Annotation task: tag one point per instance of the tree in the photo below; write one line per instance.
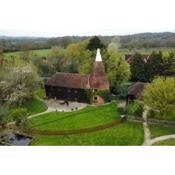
(25, 51)
(154, 65)
(18, 84)
(160, 96)
(138, 68)
(114, 45)
(118, 71)
(95, 43)
(78, 58)
(169, 65)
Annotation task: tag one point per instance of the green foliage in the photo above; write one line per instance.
(118, 70)
(19, 115)
(138, 68)
(89, 93)
(114, 45)
(95, 43)
(78, 58)
(4, 112)
(135, 108)
(105, 94)
(151, 114)
(18, 84)
(122, 90)
(154, 65)
(157, 65)
(160, 96)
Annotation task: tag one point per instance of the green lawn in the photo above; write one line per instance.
(35, 106)
(40, 93)
(169, 142)
(90, 116)
(128, 133)
(160, 130)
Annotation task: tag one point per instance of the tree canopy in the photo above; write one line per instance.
(95, 43)
(160, 96)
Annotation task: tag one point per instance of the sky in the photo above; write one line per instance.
(85, 17)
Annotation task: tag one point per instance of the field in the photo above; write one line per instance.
(40, 52)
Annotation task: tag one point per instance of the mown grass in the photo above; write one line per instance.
(128, 133)
(160, 130)
(91, 116)
(35, 106)
(168, 142)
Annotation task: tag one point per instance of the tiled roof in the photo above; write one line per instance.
(70, 80)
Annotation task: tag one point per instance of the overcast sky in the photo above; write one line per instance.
(85, 17)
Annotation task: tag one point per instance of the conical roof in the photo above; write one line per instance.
(98, 77)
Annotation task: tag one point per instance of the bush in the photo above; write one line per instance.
(105, 94)
(4, 111)
(122, 110)
(151, 114)
(122, 90)
(19, 115)
(135, 108)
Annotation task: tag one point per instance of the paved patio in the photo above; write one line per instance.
(56, 105)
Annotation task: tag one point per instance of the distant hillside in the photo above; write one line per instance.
(138, 41)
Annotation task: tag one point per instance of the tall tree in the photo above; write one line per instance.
(138, 68)
(95, 43)
(118, 71)
(154, 65)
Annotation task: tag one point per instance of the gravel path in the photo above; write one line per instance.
(147, 133)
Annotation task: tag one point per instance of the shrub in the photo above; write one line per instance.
(122, 110)
(122, 90)
(19, 115)
(151, 114)
(135, 108)
(105, 94)
(4, 111)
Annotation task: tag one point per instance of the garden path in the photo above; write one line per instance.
(147, 133)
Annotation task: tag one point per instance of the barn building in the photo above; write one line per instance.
(74, 86)
(135, 91)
